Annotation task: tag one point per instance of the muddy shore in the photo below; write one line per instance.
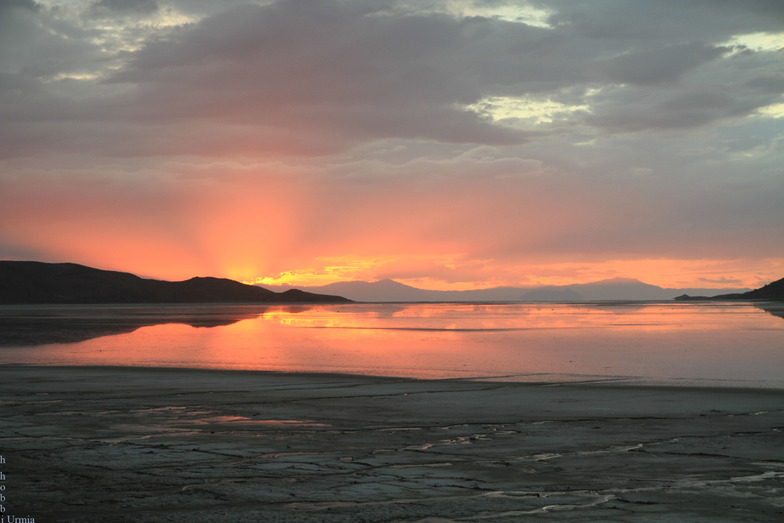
(134, 444)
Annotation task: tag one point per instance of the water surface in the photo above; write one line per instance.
(732, 344)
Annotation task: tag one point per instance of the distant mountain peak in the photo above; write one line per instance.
(389, 290)
(616, 280)
(387, 282)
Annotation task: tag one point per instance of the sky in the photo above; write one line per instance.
(446, 144)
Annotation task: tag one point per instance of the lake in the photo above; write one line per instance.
(725, 344)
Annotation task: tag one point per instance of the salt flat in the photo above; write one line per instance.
(136, 444)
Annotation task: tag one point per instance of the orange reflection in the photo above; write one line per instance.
(504, 317)
(665, 342)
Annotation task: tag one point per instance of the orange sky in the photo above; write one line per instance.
(440, 144)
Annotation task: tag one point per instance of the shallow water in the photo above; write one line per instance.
(726, 344)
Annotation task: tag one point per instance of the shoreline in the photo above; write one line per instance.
(576, 380)
(153, 444)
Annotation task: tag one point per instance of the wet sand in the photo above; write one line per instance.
(133, 444)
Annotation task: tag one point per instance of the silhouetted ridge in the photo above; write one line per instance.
(37, 282)
(771, 291)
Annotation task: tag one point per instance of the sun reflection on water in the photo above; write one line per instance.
(531, 342)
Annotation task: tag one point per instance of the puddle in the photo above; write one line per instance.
(241, 420)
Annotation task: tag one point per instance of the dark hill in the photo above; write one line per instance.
(771, 291)
(36, 282)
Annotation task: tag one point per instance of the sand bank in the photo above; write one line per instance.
(130, 444)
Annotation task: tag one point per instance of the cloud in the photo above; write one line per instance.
(722, 281)
(640, 22)
(104, 8)
(642, 109)
(340, 74)
(318, 68)
(30, 48)
(9, 5)
(659, 65)
(444, 140)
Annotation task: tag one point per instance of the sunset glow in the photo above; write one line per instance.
(445, 145)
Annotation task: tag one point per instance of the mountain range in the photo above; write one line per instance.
(28, 282)
(610, 289)
(37, 282)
